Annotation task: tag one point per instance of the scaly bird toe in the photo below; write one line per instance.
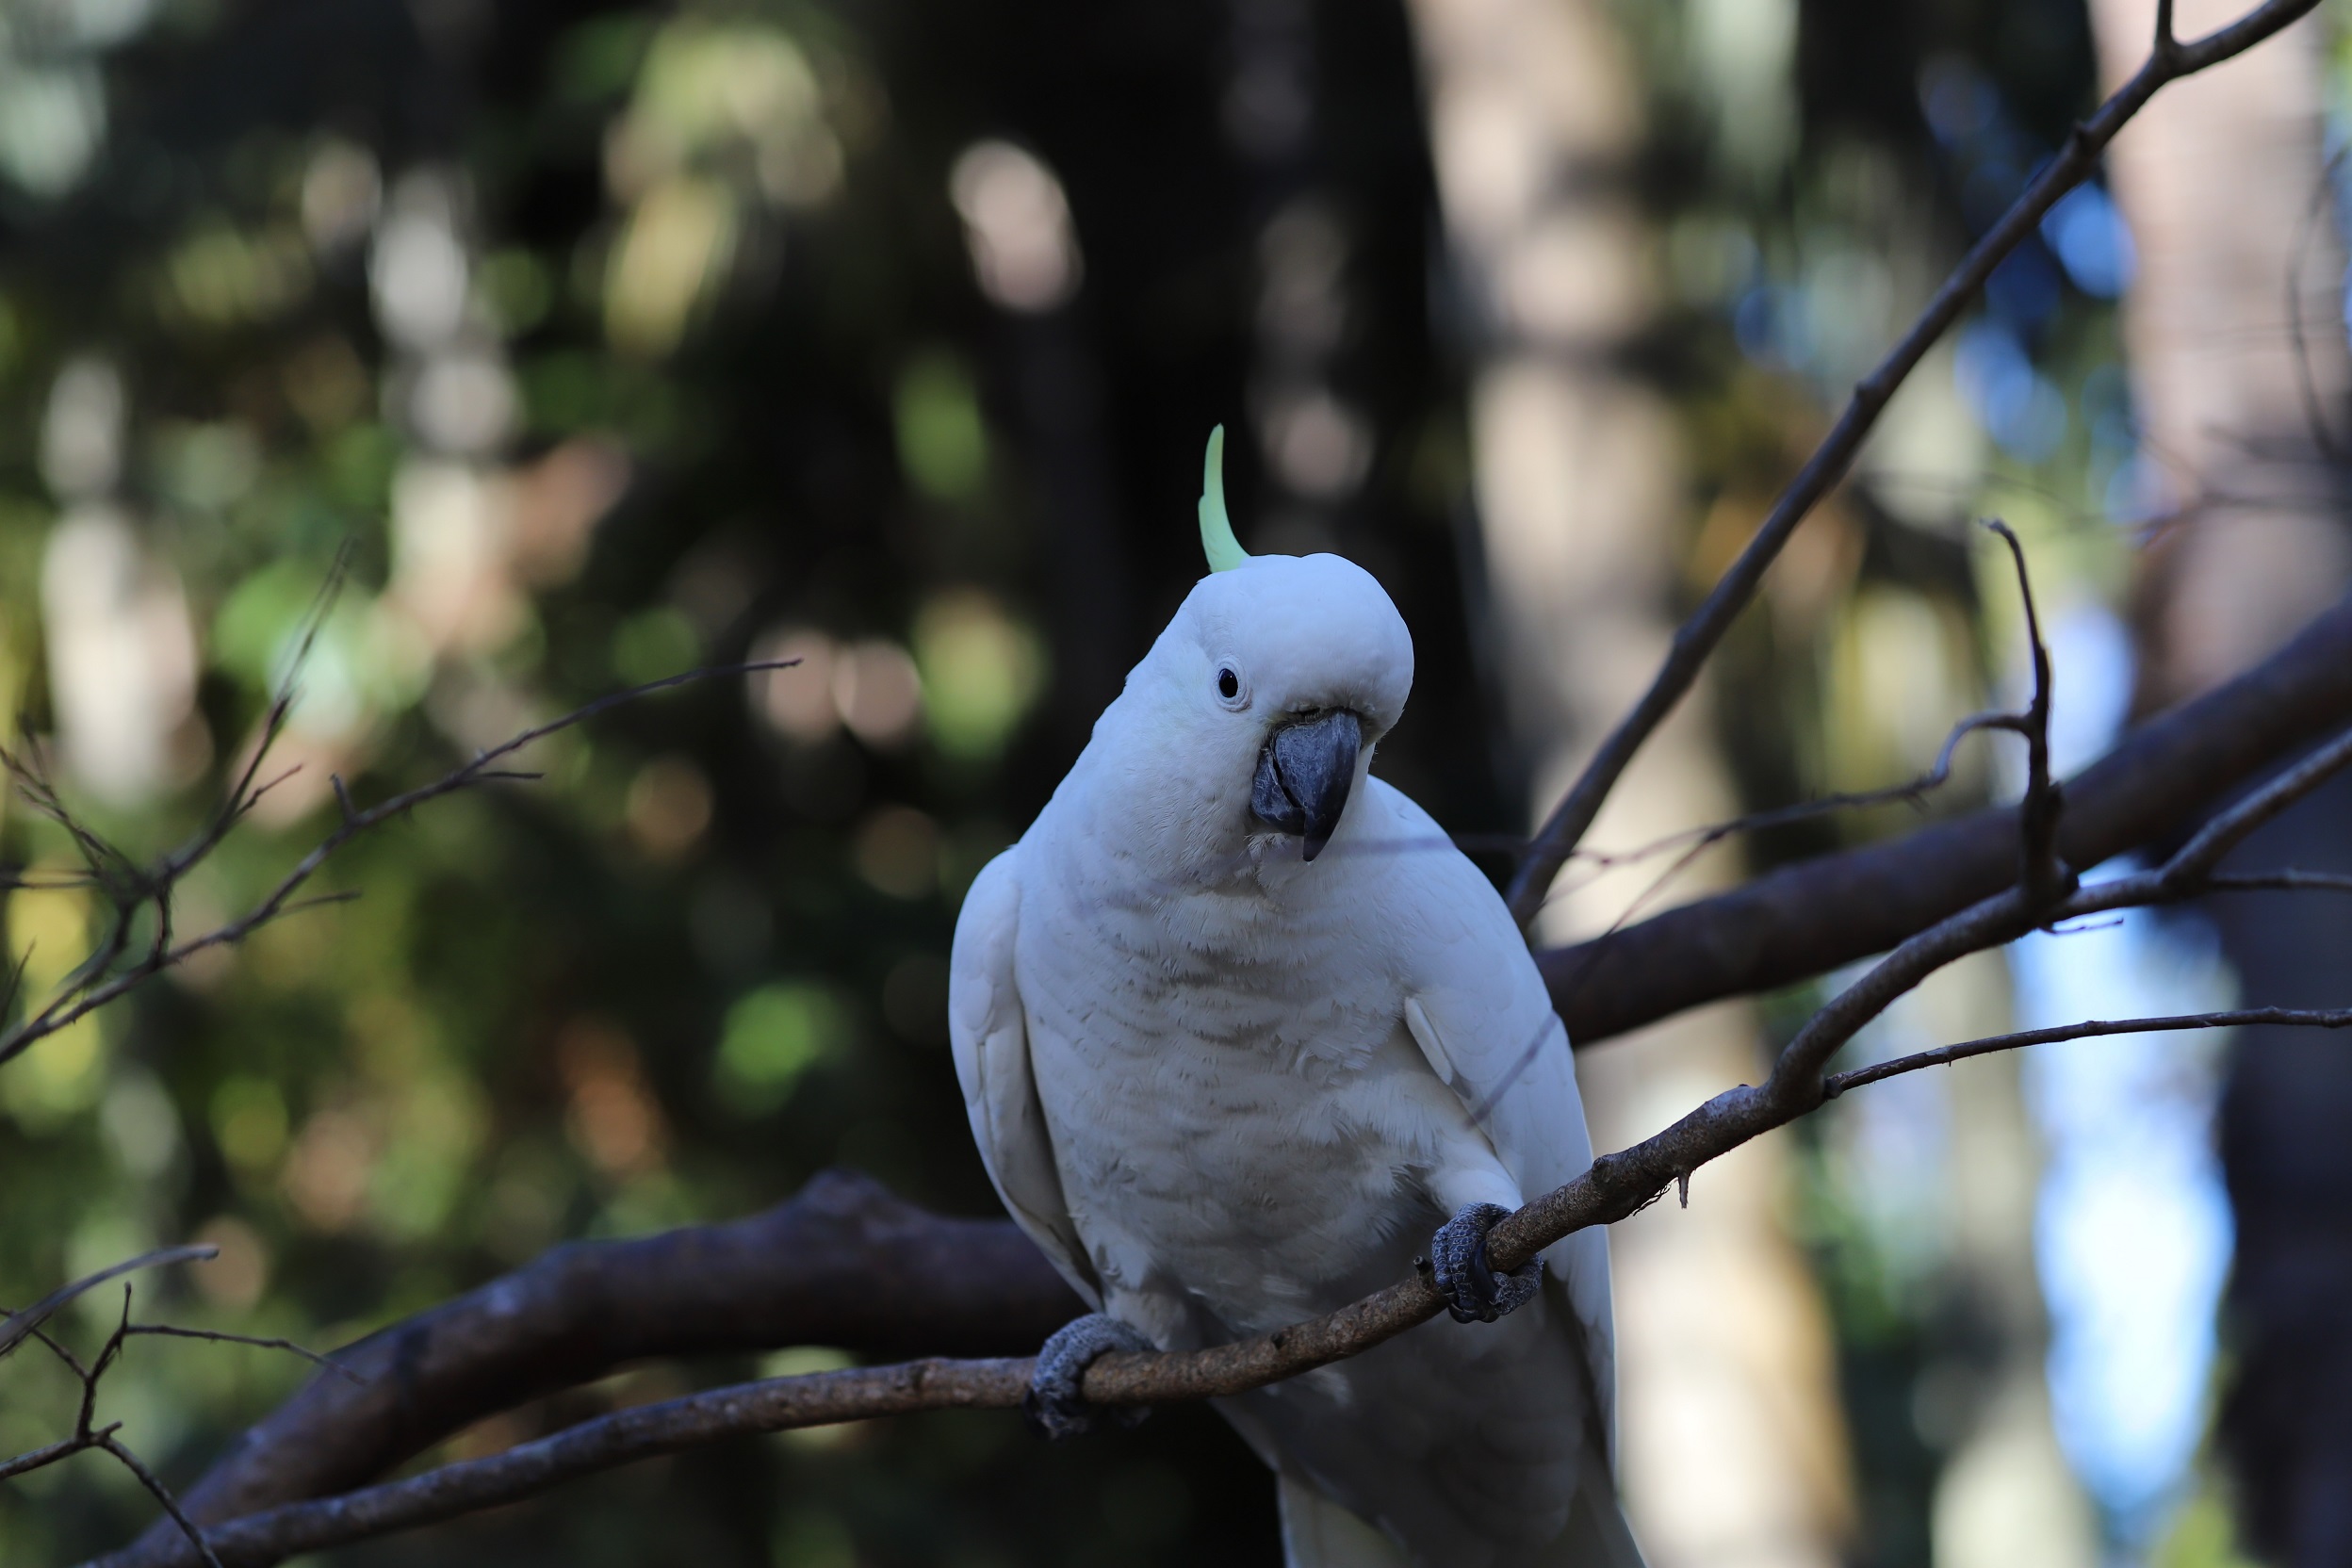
(1054, 1404)
(1474, 1291)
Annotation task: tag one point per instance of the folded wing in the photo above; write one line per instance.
(990, 1035)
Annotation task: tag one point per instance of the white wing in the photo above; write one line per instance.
(1481, 1013)
(990, 1033)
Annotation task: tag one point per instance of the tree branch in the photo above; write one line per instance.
(2042, 871)
(2287, 881)
(1697, 639)
(331, 1437)
(1692, 841)
(1807, 919)
(1944, 1056)
(88, 1436)
(259, 1342)
(842, 1264)
(777, 1404)
(131, 887)
(19, 1325)
(1615, 1187)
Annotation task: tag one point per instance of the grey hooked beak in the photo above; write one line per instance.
(1305, 775)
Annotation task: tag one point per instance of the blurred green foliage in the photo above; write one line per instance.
(610, 343)
(613, 340)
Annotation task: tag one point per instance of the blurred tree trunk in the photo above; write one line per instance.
(2004, 1497)
(1732, 1446)
(2221, 178)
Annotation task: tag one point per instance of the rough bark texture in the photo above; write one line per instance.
(843, 1263)
(257, 1540)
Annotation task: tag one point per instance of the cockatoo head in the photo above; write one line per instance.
(1264, 696)
(1297, 665)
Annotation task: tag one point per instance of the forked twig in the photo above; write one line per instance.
(20, 1324)
(88, 1434)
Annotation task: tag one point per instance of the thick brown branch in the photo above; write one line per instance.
(817, 1400)
(1697, 639)
(842, 1264)
(1616, 1186)
(1808, 919)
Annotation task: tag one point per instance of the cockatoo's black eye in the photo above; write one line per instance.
(1232, 688)
(1228, 683)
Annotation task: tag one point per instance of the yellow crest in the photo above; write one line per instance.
(1216, 528)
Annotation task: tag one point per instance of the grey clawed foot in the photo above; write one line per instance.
(1474, 1291)
(1053, 1404)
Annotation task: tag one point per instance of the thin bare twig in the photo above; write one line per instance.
(161, 1493)
(88, 1434)
(19, 1325)
(42, 1458)
(260, 1342)
(2042, 874)
(1698, 636)
(1943, 1056)
(2285, 881)
(2315, 412)
(108, 1443)
(1911, 791)
(87, 992)
(1698, 840)
(2195, 861)
(2038, 817)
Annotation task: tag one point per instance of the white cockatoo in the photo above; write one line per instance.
(1241, 1035)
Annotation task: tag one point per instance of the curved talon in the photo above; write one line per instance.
(1055, 1407)
(1474, 1291)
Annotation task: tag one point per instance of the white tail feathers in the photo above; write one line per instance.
(1318, 1533)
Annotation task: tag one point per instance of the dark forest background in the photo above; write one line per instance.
(610, 340)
